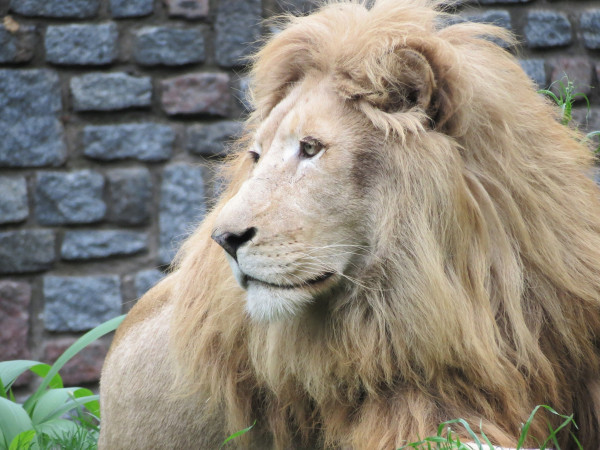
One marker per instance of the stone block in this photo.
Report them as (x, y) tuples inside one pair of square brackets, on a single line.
[(589, 23), (237, 31), (79, 245), (181, 206), (32, 134), (129, 196), (80, 303), (243, 95), (298, 7), (16, 43), (13, 199), (145, 280), (15, 297), (69, 198), (579, 70), (535, 69), (121, 9), (110, 91), (211, 140), (81, 44), (26, 251), (141, 141), (84, 367), (546, 28), (188, 9), (198, 93), (587, 120), (168, 46), (77, 9), (498, 17)]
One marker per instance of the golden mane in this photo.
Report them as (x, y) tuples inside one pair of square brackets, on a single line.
[(484, 297)]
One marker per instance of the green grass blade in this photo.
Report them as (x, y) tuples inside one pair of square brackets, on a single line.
[(465, 425), (75, 348), (237, 433)]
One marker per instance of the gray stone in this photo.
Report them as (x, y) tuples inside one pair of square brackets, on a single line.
[(498, 17), (238, 31), (79, 9), (13, 199), (26, 251), (131, 8), (102, 244), (69, 198), (168, 46), (143, 141), (244, 94), (211, 140), (32, 135), (547, 29), (16, 45), (181, 206), (145, 280), (15, 297), (590, 27), (190, 9), (129, 196), (80, 303), (81, 44), (298, 7), (534, 68), (110, 91)]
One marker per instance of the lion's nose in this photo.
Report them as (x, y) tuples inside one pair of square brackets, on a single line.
[(232, 241)]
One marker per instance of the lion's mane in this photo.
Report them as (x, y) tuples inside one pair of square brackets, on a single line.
[(484, 298)]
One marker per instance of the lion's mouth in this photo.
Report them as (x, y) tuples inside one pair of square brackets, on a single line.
[(310, 282)]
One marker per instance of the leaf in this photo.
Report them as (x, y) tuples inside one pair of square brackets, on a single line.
[(11, 370), (42, 370), (48, 403), (22, 440), (13, 420), (75, 348), (237, 433)]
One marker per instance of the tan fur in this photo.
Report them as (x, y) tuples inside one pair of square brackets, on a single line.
[(459, 223)]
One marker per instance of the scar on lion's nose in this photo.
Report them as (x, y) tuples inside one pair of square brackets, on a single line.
[(232, 241)]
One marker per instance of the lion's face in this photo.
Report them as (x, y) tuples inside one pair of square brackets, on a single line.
[(297, 225)]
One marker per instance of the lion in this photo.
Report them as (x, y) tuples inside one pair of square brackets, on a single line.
[(407, 236)]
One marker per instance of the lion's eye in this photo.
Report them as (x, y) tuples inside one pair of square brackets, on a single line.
[(310, 147), (254, 155)]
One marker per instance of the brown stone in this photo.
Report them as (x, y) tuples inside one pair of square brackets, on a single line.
[(15, 297), (190, 9), (198, 93), (84, 367), (577, 70)]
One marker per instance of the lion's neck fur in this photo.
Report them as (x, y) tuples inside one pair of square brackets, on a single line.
[(483, 281)]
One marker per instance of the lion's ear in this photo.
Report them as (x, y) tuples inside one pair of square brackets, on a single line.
[(399, 80)]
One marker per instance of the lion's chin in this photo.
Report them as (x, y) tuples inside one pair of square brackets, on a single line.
[(268, 304)]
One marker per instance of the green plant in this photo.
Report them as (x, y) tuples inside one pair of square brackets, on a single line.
[(565, 99), (40, 421), (447, 439)]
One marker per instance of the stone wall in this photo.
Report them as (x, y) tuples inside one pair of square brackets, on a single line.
[(111, 115)]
